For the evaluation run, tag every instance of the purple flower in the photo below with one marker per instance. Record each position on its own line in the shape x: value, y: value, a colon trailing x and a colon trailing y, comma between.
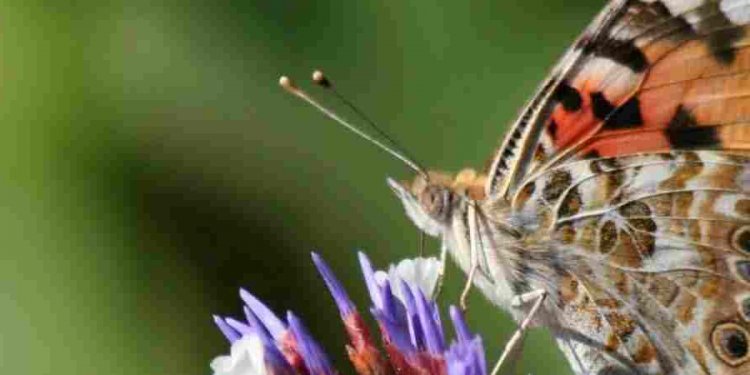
x: 465, y: 355
x: 409, y: 323
x: 362, y: 350
x: 272, y: 345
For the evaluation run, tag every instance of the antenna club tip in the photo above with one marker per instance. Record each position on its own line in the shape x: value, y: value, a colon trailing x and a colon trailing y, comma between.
x: 286, y: 83
x: 320, y: 78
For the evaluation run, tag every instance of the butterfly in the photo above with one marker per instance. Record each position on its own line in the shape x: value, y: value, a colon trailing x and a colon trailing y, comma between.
x: 616, y: 211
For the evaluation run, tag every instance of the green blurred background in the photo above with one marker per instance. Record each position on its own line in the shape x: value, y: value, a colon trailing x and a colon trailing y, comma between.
x: 152, y: 166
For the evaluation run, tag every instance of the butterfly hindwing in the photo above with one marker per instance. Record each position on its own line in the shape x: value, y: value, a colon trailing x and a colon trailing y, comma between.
x: 657, y: 247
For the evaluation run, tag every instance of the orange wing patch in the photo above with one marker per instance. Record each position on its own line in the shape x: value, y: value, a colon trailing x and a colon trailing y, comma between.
x: 688, y: 99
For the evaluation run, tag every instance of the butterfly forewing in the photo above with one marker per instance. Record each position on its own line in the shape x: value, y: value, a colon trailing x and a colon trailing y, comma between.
x: 646, y: 76
x: 631, y: 167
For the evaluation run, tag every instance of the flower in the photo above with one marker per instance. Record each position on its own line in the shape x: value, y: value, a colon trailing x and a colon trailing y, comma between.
x: 409, y: 323
x: 286, y: 347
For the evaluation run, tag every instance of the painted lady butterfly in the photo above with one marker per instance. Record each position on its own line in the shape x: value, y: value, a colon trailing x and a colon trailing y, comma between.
x: 619, y: 202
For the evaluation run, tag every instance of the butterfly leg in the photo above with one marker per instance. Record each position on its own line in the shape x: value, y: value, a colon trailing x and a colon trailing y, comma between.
x: 474, y: 263
x: 538, y: 296
x: 441, y: 270
x: 467, y: 287
x: 526, y: 298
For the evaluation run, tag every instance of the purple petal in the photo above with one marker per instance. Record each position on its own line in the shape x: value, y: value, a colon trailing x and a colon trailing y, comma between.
x: 272, y: 323
x: 274, y: 357
x: 372, y: 285
x: 397, y: 332
x: 466, y: 358
x: 394, y: 320
x: 415, y: 328
x: 253, y: 320
x: 238, y: 326
x: 258, y: 327
x: 390, y: 304
x: 459, y: 324
x: 436, y: 318
x: 228, y: 331
x: 342, y: 300
x: 315, y: 359
x: 276, y: 360
x: 432, y: 332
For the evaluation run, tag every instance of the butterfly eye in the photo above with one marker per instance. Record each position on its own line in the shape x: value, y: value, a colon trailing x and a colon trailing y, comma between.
x: 432, y: 199
x: 730, y: 341
x: 741, y: 239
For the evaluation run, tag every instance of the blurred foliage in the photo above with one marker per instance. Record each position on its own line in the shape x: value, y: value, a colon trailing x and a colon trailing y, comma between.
x: 152, y: 166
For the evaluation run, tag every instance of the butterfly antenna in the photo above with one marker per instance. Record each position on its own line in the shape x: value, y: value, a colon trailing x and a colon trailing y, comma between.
x: 290, y: 87
x: 319, y: 78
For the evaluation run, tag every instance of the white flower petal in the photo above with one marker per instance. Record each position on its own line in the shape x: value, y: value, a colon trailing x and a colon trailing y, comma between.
x: 246, y: 358
x: 419, y: 272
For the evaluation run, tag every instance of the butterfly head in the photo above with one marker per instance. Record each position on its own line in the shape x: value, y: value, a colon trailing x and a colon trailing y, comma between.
x: 430, y: 201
